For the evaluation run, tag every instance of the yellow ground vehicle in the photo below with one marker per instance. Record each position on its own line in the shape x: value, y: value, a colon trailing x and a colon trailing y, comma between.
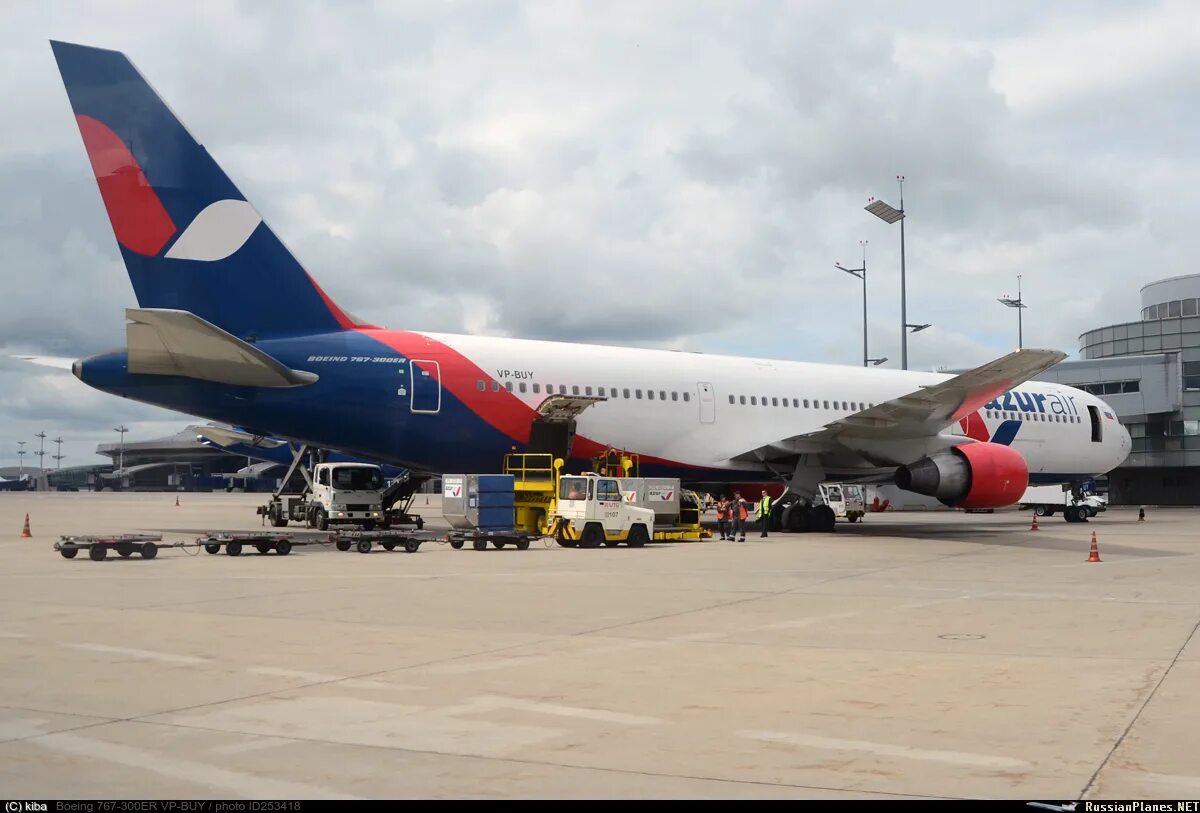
x: 552, y: 503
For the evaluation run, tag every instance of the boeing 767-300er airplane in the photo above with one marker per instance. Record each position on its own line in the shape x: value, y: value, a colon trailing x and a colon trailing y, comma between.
x: 229, y: 326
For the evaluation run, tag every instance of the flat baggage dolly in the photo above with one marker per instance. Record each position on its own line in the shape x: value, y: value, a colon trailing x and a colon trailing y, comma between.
x: 98, y: 547
x: 363, y: 541
x: 264, y: 543
x: 479, y: 539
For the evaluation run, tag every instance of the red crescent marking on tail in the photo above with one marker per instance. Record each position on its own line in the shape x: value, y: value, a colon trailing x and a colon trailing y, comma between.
x: 975, y: 428
x: 138, y: 218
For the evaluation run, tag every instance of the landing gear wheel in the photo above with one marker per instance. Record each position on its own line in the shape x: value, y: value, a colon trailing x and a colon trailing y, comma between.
x: 823, y: 519
x: 499, y: 543
x: 68, y: 553
x: 322, y: 520
x: 388, y: 545
x: 638, y: 536
x: 343, y: 545
x: 149, y: 550
x: 283, y: 547
x: 523, y: 544
x: 97, y: 553
x: 412, y: 545
x: 125, y: 549
x: 591, y: 537
x: 1040, y: 510
x: 262, y: 547
x: 479, y: 544
x: 363, y: 546
x: 797, y: 518
x: 234, y: 549
x: 212, y: 548
x: 456, y: 544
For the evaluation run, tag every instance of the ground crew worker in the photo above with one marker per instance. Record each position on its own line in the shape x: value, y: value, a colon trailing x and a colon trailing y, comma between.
x: 764, y: 512
x: 723, y: 514
x: 740, y: 514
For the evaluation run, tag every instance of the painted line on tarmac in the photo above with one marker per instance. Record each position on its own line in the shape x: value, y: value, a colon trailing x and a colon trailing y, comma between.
x: 491, y: 702
x: 321, y: 677
x: 260, y: 744
x: 885, y: 749
x: 248, y: 785
x: 146, y: 654
x: 12, y: 634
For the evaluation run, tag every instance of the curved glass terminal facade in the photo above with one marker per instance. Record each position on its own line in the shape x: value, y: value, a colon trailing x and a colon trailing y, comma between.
x: 1149, y: 371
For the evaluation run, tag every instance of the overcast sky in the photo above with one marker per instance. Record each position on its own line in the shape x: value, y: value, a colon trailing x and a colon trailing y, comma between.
x: 664, y: 174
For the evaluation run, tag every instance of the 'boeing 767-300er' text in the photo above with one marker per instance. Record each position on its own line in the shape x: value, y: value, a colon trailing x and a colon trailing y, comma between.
x: 229, y: 326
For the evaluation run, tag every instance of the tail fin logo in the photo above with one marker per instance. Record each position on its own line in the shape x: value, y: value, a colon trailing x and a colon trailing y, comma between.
x: 140, y: 221
x: 218, y: 231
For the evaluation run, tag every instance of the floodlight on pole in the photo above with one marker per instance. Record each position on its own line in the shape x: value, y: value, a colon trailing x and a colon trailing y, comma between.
x: 1019, y: 305
x: 890, y: 214
x: 58, y: 456
x: 918, y: 328
x: 877, y: 362
x: 41, y: 453
x: 861, y: 273
x: 21, y: 456
x: 121, y: 465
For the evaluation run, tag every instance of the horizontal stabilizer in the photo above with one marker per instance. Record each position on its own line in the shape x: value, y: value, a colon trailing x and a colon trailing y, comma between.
x: 173, y: 342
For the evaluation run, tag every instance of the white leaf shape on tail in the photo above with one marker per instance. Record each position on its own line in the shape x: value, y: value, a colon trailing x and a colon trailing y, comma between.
x: 217, y: 232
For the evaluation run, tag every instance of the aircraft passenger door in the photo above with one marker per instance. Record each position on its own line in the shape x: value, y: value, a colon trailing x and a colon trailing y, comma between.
x: 426, y: 386
x: 708, y: 403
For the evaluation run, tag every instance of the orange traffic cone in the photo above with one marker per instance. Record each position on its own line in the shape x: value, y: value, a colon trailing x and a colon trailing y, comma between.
x: 176, y: 500
x: 25, y: 532
x: 1034, y: 526
x: 1094, y: 555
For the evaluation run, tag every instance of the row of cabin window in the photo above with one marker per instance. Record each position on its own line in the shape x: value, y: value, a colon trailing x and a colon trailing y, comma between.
x: 601, y: 392
x: 1032, y: 416
x: 846, y: 406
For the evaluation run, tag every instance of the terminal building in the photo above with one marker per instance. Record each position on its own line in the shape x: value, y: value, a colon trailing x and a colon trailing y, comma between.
x: 1148, y: 371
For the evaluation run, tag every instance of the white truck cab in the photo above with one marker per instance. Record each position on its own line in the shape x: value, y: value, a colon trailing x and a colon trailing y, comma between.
x: 592, y: 510
x: 345, y: 494
x: 846, y: 500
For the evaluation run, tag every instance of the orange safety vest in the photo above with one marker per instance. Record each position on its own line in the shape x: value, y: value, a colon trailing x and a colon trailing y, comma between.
x: 742, y: 509
x: 722, y: 508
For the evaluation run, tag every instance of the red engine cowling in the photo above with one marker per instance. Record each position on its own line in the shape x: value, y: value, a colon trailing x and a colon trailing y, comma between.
x: 974, y: 475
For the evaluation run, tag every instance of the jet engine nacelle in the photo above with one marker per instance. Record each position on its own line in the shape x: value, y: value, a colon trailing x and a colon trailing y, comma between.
x: 974, y: 475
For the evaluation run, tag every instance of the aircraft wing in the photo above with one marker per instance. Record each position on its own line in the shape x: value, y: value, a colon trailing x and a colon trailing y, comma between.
x: 920, y: 414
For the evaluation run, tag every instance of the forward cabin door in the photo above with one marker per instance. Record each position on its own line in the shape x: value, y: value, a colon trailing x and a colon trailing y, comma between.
x: 708, y: 402
x: 426, y: 387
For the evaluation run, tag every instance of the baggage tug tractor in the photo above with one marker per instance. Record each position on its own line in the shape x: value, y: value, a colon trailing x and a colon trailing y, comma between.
x: 592, y: 510
x: 339, y: 494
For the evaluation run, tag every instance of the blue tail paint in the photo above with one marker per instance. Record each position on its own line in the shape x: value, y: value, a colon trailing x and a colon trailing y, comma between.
x: 189, y: 238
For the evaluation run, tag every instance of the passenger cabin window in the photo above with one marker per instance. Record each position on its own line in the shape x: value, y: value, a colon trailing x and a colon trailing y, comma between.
x: 522, y: 386
x: 575, y: 390
x: 774, y: 402
x: 742, y: 398
x: 687, y: 397
x: 649, y: 395
x: 600, y: 391
x: 826, y: 403
x: 806, y: 403
x: 537, y: 388
x: 508, y: 386
x: 754, y: 400
x: 587, y: 390
x: 480, y: 385
x: 495, y: 386
x: 731, y: 399
x: 674, y: 396
x: 625, y: 392
x: 662, y: 395
x: 637, y: 394
x: 562, y: 389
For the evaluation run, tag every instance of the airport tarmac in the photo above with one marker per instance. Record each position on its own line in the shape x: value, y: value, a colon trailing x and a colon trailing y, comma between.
x: 930, y: 655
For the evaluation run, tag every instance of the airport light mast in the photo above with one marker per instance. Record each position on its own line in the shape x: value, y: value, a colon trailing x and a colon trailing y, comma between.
x: 58, y: 456
x: 41, y: 453
x: 890, y: 214
x: 121, y: 465
x: 21, y: 457
x: 1019, y: 305
x: 861, y: 273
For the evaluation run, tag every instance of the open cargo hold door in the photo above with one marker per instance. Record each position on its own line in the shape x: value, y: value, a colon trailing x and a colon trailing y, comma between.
x: 553, y: 431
